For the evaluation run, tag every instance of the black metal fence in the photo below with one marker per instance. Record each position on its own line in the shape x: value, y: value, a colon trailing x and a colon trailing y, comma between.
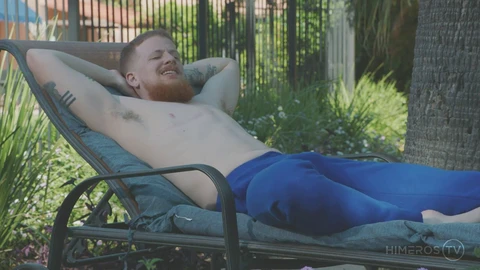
x: 277, y: 42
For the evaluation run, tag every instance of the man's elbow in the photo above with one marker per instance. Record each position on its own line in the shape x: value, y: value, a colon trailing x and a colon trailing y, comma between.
x: 37, y: 58
x: 32, y: 58
x: 232, y: 63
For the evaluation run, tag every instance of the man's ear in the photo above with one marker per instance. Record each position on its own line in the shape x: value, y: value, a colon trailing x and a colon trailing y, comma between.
x: 132, y: 80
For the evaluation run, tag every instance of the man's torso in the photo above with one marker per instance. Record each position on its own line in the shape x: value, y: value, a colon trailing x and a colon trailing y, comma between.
x: 165, y: 134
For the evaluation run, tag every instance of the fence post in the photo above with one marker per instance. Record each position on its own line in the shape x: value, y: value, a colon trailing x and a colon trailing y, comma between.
x: 73, y: 20
x: 340, y: 51
x: 231, y: 28
x: 292, y: 42
x: 202, y: 29
x: 250, y: 45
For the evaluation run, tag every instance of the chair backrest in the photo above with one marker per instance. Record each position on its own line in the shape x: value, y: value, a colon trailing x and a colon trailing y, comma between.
x: 106, y: 55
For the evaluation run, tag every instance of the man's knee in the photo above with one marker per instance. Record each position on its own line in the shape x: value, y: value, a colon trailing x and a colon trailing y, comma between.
x: 274, y: 195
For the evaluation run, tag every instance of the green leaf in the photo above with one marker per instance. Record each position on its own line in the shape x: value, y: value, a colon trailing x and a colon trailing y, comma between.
x: 476, y: 252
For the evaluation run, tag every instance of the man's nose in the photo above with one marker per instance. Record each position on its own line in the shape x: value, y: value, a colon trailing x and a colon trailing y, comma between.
x: 168, y: 58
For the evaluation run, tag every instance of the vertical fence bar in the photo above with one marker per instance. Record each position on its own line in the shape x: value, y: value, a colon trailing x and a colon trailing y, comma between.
x: 153, y: 14
x: 239, y: 52
x: 99, y: 22
x: 47, y: 18
x: 271, y: 33
x: 5, y: 7
x: 64, y: 30
x: 114, y: 22
x: 37, y: 18
x: 84, y: 27
x: 209, y: 29
x: 202, y: 29
x: 250, y: 7
x: 231, y: 26
x: 164, y: 14
x: 184, y: 34
x: 73, y: 20
x: 17, y: 20
x: 92, y: 25
x: 291, y: 41
x: 55, y: 16
x: 326, y: 43
x: 27, y: 20
x: 321, y: 40
x: 121, y: 21
x: 108, y: 20
x: 349, y: 60
x: 141, y: 16
x: 195, y: 29
x: 147, y: 15
x: 135, y: 16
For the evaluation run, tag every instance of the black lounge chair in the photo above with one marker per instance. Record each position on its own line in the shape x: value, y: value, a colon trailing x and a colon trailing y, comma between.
x: 246, y: 243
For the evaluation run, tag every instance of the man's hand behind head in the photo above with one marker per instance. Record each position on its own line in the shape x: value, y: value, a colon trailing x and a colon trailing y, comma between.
x: 122, y: 85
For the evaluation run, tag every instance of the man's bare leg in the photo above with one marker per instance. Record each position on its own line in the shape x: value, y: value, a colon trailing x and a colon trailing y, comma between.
x: 435, y: 217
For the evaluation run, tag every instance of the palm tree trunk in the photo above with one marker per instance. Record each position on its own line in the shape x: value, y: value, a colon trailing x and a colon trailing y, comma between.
x: 443, y: 128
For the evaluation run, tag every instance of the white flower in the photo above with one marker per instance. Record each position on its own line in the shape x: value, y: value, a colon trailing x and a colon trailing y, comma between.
x: 297, y: 101
x: 282, y: 115
x: 280, y: 108
x: 77, y: 223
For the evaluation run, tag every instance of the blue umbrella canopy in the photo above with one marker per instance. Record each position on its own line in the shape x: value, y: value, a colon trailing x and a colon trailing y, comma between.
x: 10, y: 9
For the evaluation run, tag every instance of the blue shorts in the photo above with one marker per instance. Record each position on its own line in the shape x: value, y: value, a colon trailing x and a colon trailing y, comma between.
x: 315, y: 194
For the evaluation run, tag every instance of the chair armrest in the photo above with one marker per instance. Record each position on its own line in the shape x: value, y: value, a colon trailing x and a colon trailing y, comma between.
x: 229, y: 217
x: 384, y: 157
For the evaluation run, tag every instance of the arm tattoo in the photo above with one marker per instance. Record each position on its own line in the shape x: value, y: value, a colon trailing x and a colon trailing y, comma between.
x: 67, y: 99
x: 50, y: 87
x: 195, y: 77
x: 211, y: 71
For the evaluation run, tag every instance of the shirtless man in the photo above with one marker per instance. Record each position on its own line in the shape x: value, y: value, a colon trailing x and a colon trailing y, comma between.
x: 162, y: 122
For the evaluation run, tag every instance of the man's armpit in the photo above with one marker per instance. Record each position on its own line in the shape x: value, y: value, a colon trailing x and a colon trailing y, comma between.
x: 120, y: 112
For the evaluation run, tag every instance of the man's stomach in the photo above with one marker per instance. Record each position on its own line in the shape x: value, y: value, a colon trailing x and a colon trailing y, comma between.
x: 222, y: 148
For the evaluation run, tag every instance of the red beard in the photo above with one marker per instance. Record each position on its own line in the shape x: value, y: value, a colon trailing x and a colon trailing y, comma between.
x: 178, y: 90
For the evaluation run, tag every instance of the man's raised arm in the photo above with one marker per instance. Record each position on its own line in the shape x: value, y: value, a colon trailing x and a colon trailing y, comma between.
x: 220, y: 79
x: 77, y: 84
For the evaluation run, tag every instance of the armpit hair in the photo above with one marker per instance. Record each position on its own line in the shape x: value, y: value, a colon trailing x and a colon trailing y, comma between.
x: 130, y: 115
x: 127, y: 115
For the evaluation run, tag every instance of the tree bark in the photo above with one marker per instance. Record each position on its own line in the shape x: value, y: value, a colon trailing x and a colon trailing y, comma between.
x: 443, y: 128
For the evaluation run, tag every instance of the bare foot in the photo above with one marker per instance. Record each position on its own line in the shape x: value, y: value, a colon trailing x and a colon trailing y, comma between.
x: 435, y: 217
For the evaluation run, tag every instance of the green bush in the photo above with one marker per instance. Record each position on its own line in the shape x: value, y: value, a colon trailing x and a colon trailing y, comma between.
x: 333, y: 122
x: 23, y: 157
